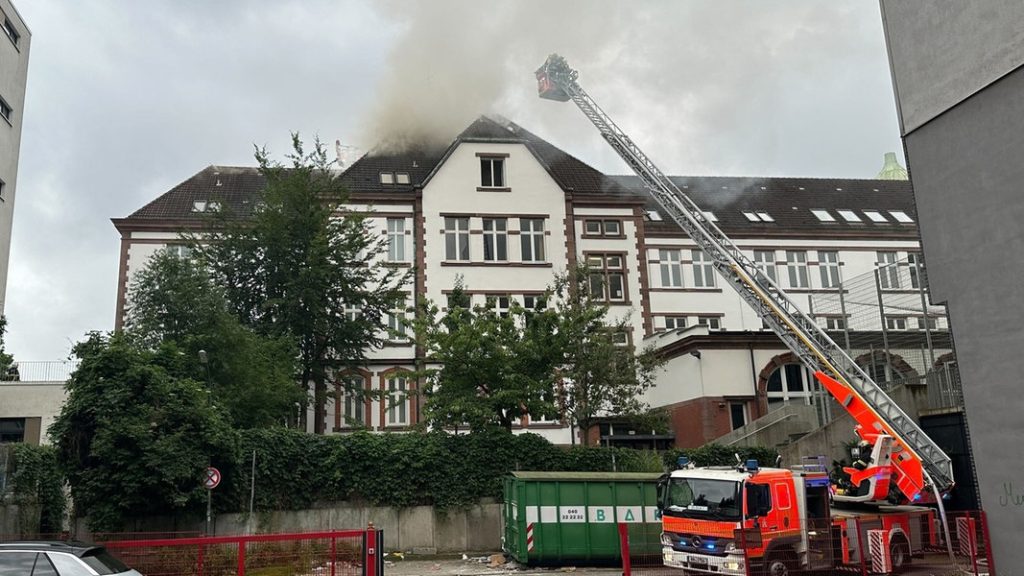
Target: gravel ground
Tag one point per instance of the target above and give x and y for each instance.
(479, 566)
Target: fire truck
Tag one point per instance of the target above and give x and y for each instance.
(717, 520)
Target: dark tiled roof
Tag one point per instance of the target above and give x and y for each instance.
(237, 187)
(789, 202)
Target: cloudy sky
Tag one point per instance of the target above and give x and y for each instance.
(127, 98)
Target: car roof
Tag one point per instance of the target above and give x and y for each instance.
(70, 547)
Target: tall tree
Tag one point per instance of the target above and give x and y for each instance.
(301, 265)
(133, 438)
(492, 369)
(174, 300)
(602, 373)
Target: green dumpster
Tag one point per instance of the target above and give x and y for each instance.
(572, 517)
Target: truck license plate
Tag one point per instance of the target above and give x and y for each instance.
(699, 561)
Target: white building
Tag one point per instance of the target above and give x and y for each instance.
(505, 210)
(14, 46)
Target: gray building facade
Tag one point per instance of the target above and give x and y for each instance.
(14, 46)
(958, 75)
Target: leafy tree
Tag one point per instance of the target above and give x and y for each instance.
(601, 373)
(175, 301)
(6, 360)
(301, 264)
(133, 438)
(493, 369)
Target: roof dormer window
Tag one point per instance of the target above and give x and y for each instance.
(205, 206)
(710, 216)
(387, 177)
(653, 216)
(402, 178)
(758, 217)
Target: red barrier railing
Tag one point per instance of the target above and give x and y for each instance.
(328, 553)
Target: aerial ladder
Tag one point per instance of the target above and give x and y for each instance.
(915, 461)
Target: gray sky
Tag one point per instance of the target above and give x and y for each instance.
(126, 99)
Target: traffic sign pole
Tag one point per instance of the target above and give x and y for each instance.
(211, 479)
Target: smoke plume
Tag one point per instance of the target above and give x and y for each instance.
(687, 80)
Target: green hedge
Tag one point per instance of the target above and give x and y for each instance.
(295, 470)
(36, 482)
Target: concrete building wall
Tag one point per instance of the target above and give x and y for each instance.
(13, 76)
(39, 403)
(957, 70)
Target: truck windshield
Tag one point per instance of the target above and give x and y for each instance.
(703, 498)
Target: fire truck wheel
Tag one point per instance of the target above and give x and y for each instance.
(779, 564)
(899, 552)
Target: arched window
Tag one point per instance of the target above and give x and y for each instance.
(790, 383)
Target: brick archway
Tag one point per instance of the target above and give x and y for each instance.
(774, 364)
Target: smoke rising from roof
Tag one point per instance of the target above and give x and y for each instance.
(688, 80)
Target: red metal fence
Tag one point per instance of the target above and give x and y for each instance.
(331, 553)
(858, 547)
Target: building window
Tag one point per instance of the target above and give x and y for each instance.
(179, 250)
(738, 414)
(607, 277)
(402, 178)
(398, 404)
(398, 328)
(5, 110)
(927, 322)
(495, 239)
(456, 239)
(670, 263)
(355, 400)
(610, 228)
(492, 172)
(796, 265)
(387, 177)
(396, 239)
(832, 322)
(828, 265)
(901, 216)
(765, 260)
(11, 31)
(916, 269)
(654, 216)
(710, 322)
(531, 239)
(896, 322)
(875, 216)
(534, 302)
(351, 311)
(758, 217)
(12, 430)
(849, 215)
(710, 216)
(500, 303)
(620, 338)
(789, 383)
(675, 322)
(888, 272)
(823, 216)
(703, 270)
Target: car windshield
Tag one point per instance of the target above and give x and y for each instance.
(703, 498)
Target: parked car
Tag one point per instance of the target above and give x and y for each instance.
(59, 559)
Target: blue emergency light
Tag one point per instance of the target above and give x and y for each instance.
(751, 465)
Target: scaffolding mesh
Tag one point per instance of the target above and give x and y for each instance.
(886, 321)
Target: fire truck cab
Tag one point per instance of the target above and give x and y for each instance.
(716, 520)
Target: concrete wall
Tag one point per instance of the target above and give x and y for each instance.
(777, 428)
(419, 529)
(38, 402)
(13, 77)
(957, 69)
